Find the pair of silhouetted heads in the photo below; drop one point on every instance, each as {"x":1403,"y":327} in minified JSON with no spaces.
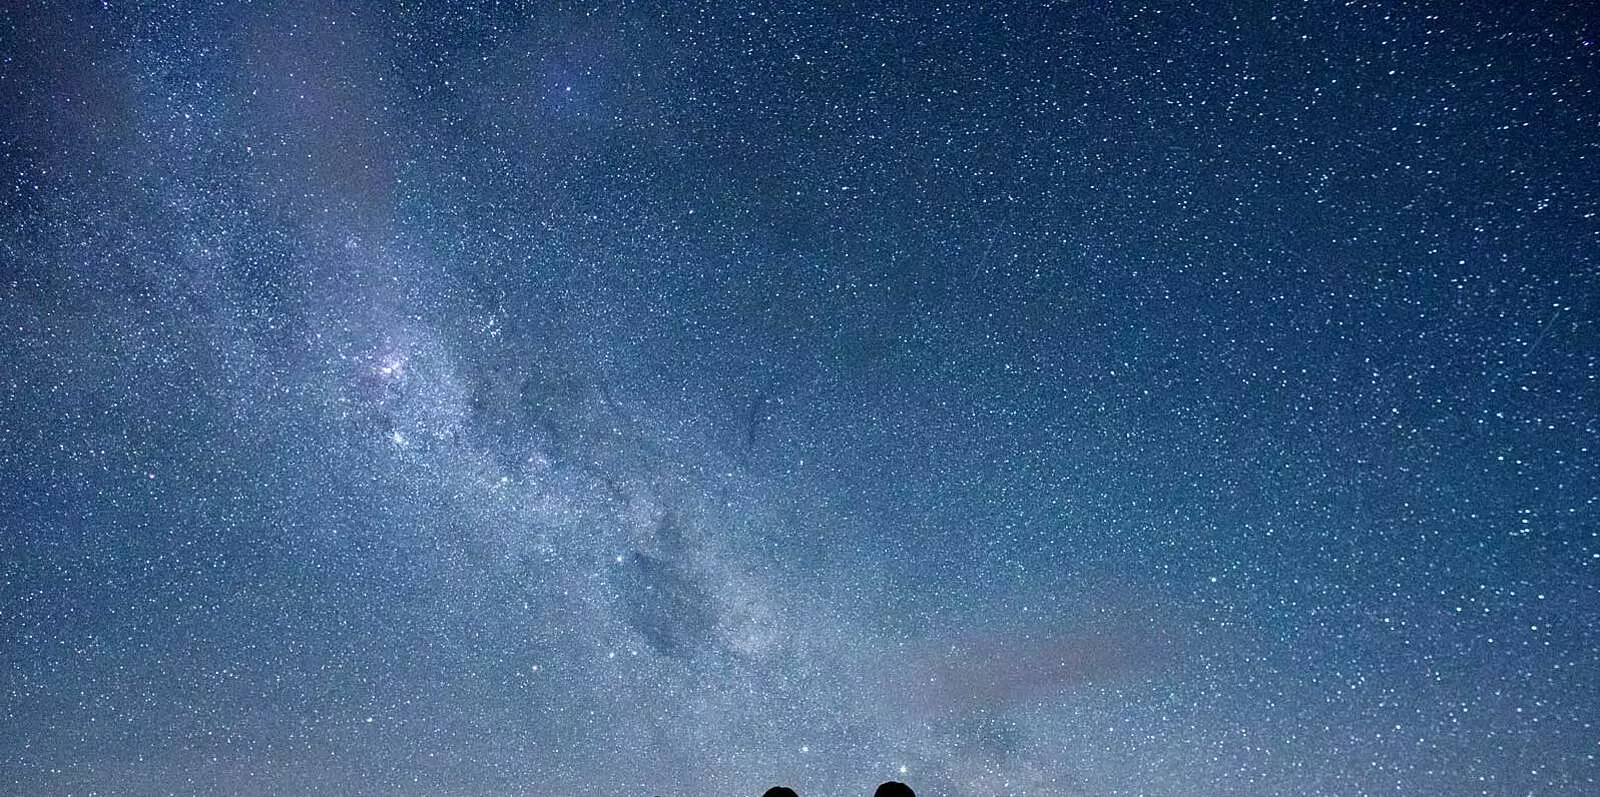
{"x":893,"y":788}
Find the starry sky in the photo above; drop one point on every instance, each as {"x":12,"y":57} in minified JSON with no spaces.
{"x":1062,"y":398}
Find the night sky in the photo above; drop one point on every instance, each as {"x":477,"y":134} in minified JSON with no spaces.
{"x":1072,"y":398}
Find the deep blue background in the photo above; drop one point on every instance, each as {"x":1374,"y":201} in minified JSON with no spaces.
{"x":1060,"y":398}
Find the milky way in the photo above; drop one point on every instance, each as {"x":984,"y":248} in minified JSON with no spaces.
{"x":564,"y":399}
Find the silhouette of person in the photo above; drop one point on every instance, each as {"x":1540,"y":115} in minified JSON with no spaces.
{"x":779,"y":791}
{"x":894,"y":788}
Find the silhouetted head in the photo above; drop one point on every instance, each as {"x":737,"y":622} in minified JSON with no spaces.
{"x":894,"y":788}
{"x":780,"y":791}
